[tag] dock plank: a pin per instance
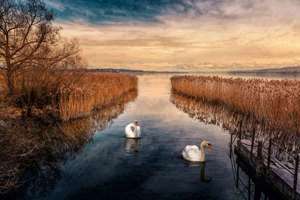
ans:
(283, 170)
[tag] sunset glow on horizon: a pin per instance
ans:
(183, 34)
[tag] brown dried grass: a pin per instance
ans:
(67, 95)
(93, 91)
(275, 103)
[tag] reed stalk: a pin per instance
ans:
(93, 91)
(275, 103)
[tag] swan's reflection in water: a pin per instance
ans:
(203, 176)
(132, 145)
(62, 142)
(202, 166)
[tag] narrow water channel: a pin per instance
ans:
(112, 167)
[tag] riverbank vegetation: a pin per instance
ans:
(233, 122)
(93, 91)
(33, 150)
(42, 84)
(35, 61)
(41, 72)
(77, 95)
(278, 150)
(271, 107)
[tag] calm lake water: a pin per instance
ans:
(113, 167)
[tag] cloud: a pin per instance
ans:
(107, 11)
(184, 33)
(55, 5)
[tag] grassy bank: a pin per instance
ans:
(275, 104)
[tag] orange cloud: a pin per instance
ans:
(265, 33)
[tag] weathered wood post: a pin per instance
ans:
(239, 136)
(257, 192)
(252, 142)
(237, 175)
(259, 171)
(231, 144)
(249, 187)
(296, 174)
(269, 152)
(240, 130)
(260, 150)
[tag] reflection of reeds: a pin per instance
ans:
(210, 113)
(33, 146)
(274, 103)
(99, 119)
(207, 112)
(93, 91)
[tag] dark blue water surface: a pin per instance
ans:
(112, 167)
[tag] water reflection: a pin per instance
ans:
(132, 145)
(281, 151)
(61, 142)
(203, 176)
(235, 123)
(250, 186)
(110, 168)
(202, 170)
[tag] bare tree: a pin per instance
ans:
(29, 40)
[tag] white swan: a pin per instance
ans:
(133, 130)
(193, 153)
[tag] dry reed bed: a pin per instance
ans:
(210, 113)
(275, 104)
(39, 148)
(93, 91)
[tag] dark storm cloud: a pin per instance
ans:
(111, 11)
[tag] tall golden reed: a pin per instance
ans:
(93, 91)
(272, 102)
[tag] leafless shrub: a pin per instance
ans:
(32, 52)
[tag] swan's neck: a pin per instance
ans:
(202, 154)
(135, 126)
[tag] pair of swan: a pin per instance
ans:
(190, 153)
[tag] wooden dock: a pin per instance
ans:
(259, 162)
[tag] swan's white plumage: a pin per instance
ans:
(193, 153)
(132, 131)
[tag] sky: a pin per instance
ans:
(183, 34)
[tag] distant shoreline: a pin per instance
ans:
(283, 70)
